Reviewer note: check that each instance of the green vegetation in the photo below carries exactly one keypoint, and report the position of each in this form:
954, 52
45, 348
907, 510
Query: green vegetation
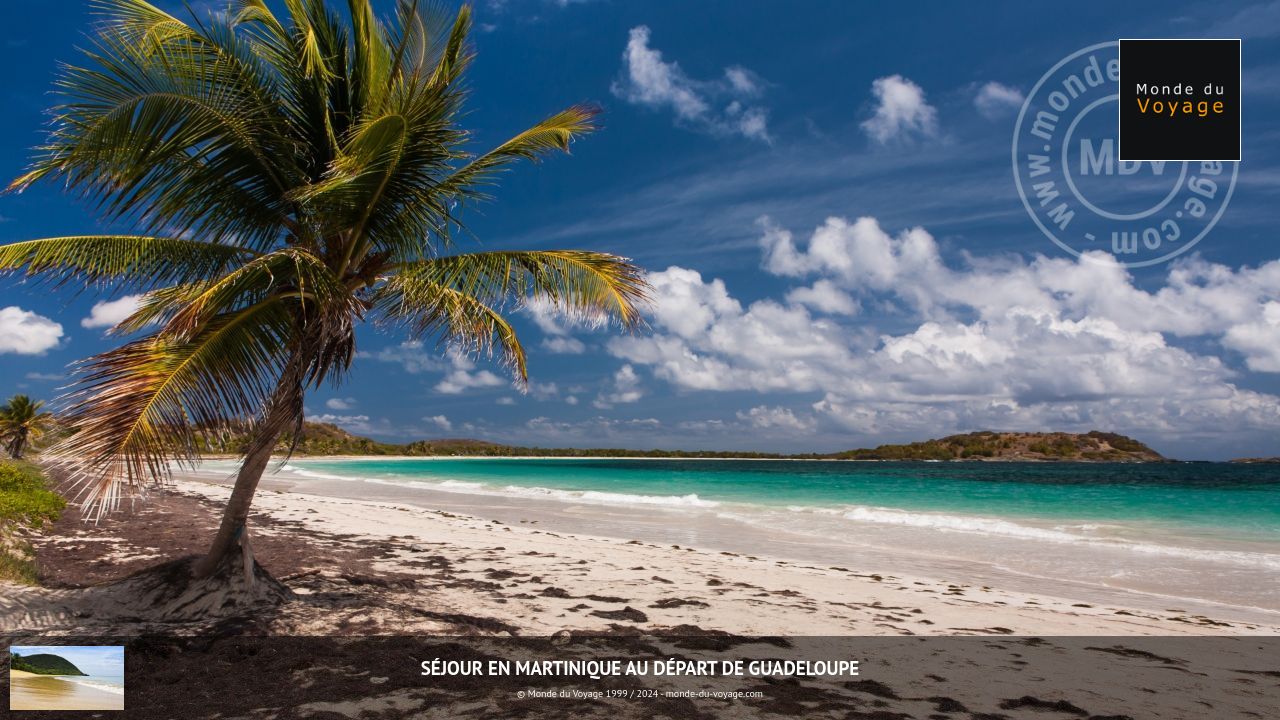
26, 504
22, 423
286, 172
44, 664
326, 439
1092, 446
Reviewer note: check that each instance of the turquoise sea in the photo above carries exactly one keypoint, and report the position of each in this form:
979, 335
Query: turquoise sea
1204, 530
1210, 499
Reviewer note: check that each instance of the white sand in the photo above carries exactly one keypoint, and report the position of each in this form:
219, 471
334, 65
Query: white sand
713, 590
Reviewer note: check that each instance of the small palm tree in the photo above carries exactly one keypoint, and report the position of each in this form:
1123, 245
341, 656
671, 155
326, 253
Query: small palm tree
285, 179
21, 423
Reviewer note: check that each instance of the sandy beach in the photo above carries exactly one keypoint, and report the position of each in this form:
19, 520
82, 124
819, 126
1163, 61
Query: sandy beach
376, 584
425, 570
29, 691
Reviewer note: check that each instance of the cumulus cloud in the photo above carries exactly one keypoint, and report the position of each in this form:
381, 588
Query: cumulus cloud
994, 342
340, 403
764, 417
412, 355
824, 296
440, 421
23, 332
1258, 339
45, 377
901, 111
626, 389
720, 107
995, 101
564, 346
464, 376
460, 371
111, 312
556, 324
597, 430
352, 423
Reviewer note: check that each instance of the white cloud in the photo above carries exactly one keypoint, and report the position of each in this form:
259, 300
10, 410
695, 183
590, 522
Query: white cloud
995, 101
824, 296
564, 346
1258, 339
997, 342
901, 111
775, 418
411, 355
556, 323
460, 372
719, 107
352, 423
46, 377
544, 391
340, 403
626, 389
440, 421
743, 81
595, 431
25, 333
110, 313
506, 400
464, 376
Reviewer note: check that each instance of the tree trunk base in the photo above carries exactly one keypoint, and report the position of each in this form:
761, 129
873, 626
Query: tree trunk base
172, 593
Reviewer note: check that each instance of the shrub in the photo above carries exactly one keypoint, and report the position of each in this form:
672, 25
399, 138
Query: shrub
25, 504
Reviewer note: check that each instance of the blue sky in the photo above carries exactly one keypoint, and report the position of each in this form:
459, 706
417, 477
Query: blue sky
824, 197
91, 659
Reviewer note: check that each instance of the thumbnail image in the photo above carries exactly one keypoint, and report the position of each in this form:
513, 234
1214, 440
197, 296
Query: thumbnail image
66, 677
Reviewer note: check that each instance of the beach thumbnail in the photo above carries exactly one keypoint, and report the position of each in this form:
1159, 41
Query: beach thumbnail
66, 677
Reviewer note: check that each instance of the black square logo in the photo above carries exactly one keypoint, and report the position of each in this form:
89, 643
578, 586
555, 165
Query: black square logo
1179, 100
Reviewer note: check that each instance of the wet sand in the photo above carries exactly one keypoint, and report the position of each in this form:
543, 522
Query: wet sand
28, 691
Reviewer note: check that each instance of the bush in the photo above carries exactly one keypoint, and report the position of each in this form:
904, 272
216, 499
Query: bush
25, 504
25, 501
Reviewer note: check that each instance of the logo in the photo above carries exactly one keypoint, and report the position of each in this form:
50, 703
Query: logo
1082, 196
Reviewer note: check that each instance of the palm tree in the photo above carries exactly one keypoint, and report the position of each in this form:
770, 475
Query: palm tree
283, 180
21, 422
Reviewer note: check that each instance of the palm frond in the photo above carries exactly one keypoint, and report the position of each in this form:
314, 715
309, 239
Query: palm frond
460, 297
555, 133
174, 129
582, 284
143, 405
289, 272
126, 261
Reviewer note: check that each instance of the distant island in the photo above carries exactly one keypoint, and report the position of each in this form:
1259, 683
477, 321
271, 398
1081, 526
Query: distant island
44, 664
1093, 446
320, 439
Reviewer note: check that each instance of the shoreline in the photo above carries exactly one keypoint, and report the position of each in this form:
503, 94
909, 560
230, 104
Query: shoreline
32, 691
1157, 566
1033, 461
378, 565
375, 517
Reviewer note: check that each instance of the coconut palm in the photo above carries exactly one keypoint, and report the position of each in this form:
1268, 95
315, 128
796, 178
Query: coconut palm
21, 423
284, 178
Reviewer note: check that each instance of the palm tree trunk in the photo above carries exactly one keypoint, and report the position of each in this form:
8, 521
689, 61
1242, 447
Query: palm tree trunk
19, 444
281, 412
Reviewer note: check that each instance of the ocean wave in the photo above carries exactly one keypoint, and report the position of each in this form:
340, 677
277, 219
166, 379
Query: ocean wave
594, 497
977, 525
609, 498
98, 685
1083, 533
